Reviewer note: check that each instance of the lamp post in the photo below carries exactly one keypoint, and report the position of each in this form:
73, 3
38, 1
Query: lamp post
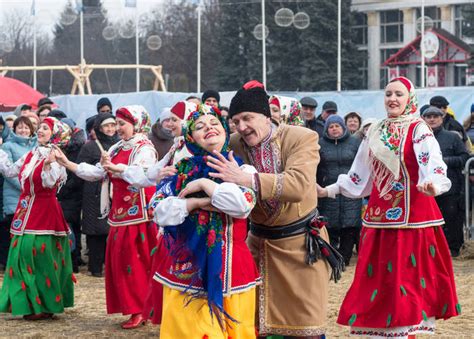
264, 48
422, 47
339, 46
198, 85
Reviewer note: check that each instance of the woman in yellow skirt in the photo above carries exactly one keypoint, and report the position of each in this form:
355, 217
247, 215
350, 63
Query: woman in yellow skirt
207, 271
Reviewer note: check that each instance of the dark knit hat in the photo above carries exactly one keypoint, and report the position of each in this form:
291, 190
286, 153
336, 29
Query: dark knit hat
250, 98
90, 121
210, 94
58, 114
423, 108
104, 102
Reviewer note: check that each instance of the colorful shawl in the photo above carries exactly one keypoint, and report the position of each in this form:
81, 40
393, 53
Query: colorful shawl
199, 238
290, 110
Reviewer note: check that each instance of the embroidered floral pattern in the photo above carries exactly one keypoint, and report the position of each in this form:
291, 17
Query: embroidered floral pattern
439, 170
397, 186
423, 158
422, 137
391, 138
393, 213
355, 178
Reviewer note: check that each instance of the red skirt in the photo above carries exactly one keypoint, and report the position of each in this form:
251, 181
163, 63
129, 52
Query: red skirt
402, 277
153, 308
128, 267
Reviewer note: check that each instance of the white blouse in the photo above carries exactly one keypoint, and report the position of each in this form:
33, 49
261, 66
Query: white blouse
49, 177
227, 197
144, 158
428, 154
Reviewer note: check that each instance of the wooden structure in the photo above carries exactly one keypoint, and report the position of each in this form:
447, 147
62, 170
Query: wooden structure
81, 74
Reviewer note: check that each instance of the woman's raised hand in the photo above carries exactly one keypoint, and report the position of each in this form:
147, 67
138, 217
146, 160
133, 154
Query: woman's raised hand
428, 188
166, 172
59, 156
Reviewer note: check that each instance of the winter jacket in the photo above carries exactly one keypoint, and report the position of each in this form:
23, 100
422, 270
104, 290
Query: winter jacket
316, 125
455, 156
451, 124
69, 195
337, 156
92, 223
161, 139
16, 147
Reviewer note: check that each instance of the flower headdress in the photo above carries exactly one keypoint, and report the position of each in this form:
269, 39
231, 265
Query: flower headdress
137, 116
290, 109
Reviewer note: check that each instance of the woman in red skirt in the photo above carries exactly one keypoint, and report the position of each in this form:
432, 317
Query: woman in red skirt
404, 278
132, 236
38, 278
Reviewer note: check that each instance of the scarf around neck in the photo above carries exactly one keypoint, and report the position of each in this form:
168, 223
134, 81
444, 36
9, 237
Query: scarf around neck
385, 138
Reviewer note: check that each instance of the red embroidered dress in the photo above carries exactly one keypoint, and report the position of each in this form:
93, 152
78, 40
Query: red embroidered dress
404, 278
131, 236
38, 276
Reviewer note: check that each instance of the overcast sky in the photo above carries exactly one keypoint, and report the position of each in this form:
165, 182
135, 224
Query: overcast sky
48, 10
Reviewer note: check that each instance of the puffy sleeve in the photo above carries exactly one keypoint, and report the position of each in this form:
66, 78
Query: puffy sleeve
236, 201
50, 177
90, 172
357, 183
145, 177
430, 160
14, 181
135, 173
299, 172
8, 168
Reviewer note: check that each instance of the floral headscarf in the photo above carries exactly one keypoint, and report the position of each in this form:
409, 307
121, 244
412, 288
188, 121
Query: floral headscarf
290, 109
199, 238
385, 139
61, 132
137, 116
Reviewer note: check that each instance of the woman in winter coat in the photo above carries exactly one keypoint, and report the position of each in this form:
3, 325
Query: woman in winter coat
94, 225
22, 140
338, 150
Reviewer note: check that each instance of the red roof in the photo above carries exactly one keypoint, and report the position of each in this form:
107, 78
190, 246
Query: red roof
451, 50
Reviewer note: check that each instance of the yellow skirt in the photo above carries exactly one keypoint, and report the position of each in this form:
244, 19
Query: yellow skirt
194, 320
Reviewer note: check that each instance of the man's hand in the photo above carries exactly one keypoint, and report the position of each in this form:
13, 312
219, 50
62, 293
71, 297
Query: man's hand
165, 172
229, 170
322, 192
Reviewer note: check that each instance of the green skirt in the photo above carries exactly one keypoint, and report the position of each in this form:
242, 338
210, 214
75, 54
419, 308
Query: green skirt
38, 276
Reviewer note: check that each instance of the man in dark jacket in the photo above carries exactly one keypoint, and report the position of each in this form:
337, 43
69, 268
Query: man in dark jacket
338, 150
329, 108
449, 123
308, 109
454, 155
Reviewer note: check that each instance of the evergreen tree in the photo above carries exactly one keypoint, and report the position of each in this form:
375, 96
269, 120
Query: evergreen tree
240, 53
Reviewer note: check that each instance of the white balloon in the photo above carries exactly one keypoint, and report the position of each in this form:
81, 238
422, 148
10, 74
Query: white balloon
429, 24
257, 32
127, 30
284, 17
153, 42
301, 20
68, 17
109, 33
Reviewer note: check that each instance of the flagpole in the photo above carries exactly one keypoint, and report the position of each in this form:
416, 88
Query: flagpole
264, 48
137, 51
34, 43
198, 87
339, 10
422, 47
